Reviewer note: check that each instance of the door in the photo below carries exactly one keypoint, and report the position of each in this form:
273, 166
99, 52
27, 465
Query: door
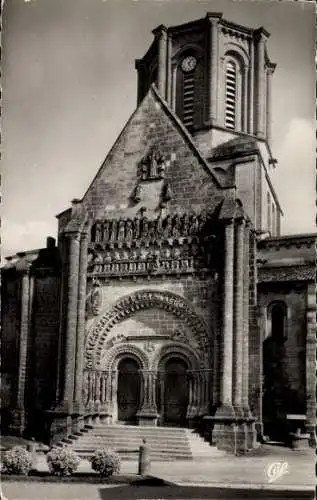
128, 394
174, 393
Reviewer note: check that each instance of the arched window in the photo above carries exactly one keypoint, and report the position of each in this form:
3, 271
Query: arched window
235, 98
277, 321
273, 220
189, 90
231, 95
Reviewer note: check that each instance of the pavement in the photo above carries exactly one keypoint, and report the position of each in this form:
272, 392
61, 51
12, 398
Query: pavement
277, 471
256, 470
41, 491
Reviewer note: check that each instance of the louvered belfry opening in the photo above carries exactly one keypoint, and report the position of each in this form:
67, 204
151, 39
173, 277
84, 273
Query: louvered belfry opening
188, 99
231, 95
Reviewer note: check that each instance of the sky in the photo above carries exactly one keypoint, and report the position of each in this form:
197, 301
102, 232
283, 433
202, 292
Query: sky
69, 87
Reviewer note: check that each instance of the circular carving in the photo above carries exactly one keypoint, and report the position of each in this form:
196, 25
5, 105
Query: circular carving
145, 299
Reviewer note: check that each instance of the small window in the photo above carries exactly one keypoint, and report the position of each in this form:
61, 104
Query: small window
231, 95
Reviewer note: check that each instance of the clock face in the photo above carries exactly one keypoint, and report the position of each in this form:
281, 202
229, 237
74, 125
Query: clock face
189, 63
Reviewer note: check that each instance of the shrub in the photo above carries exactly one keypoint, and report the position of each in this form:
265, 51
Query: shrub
106, 462
17, 460
62, 461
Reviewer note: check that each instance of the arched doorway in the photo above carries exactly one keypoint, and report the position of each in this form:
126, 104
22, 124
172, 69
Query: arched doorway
275, 378
128, 391
173, 392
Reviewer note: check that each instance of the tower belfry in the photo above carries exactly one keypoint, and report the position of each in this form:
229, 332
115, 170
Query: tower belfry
213, 73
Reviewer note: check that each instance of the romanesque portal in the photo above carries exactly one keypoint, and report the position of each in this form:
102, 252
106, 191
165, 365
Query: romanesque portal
148, 379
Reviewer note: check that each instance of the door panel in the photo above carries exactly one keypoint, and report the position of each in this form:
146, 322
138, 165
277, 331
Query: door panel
174, 393
129, 385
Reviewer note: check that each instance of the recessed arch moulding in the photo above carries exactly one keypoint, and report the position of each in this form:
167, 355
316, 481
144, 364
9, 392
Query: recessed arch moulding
126, 327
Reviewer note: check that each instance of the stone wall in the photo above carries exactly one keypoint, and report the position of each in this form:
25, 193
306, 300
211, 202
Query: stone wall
255, 354
294, 296
10, 308
45, 327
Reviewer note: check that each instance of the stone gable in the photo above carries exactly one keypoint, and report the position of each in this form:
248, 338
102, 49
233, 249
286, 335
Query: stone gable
190, 183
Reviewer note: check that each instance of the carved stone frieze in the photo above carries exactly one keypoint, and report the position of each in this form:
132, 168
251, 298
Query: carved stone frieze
176, 243
141, 228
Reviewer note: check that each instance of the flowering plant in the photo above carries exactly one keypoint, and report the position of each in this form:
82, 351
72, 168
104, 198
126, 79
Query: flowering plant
62, 461
106, 462
17, 460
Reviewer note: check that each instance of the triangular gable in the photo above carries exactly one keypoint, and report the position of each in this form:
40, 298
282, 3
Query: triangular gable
191, 182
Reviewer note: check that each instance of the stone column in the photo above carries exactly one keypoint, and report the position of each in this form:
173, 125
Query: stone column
213, 71
238, 316
79, 354
104, 409
241, 427
226, 372
161, 34
192, 408
71, 321
245, 344
113, 400
260, 87
224, 431
148, 415
245, 100
97, 402
17, 424
270, 71
251, 90
169, 76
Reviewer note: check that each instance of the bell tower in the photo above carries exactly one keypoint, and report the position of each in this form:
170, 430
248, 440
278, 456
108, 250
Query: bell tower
214, 74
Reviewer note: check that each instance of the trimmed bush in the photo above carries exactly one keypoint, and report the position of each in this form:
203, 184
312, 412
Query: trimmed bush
106, 462
62, 461
17, 461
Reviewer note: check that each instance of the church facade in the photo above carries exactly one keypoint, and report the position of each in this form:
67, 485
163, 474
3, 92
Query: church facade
171, 299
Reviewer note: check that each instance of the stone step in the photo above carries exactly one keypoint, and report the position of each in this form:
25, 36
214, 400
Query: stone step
136, 430
135, 439
131, 443
141, 427
159, 449
166, 444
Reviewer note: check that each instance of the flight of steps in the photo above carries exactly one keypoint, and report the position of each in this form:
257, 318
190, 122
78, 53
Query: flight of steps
166, 443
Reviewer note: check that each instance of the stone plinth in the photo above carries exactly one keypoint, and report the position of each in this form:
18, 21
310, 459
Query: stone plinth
233, 430
17, 424
147, 418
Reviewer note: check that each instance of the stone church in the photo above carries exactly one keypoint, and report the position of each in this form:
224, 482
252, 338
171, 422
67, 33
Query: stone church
170, 298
